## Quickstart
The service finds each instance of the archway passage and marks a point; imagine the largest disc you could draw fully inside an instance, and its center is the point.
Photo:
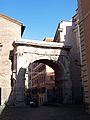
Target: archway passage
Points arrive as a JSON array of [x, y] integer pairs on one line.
[[25, 53], [45, 77], [58, 68]]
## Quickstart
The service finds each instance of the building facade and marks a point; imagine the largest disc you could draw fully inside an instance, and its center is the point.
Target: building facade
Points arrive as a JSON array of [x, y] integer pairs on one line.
[[76, 61], [10, 30], [68, 33], [20, 72], [84, 26]]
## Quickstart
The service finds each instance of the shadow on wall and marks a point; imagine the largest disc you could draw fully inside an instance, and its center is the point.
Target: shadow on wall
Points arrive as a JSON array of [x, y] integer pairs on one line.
[[17, 87], [6, 110]]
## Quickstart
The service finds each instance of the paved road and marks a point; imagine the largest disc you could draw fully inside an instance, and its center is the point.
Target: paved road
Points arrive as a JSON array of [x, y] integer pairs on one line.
[[43, 113]]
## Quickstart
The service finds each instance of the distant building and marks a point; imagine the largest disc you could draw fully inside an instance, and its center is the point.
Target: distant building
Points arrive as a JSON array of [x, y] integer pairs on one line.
[[62, 31], [43, 83], [48, 39]]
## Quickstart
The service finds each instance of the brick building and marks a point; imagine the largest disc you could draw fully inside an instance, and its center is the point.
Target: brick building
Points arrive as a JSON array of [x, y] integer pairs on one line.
[[43, 83]]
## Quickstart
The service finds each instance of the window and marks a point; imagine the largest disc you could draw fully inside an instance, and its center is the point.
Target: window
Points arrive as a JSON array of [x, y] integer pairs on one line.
[[43, 89]]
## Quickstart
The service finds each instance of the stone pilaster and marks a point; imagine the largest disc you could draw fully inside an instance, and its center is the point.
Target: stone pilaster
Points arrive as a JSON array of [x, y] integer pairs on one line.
[[20, 87]]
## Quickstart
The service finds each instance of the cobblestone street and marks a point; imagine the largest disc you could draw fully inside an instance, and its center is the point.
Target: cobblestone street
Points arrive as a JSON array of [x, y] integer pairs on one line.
[[43, 113]]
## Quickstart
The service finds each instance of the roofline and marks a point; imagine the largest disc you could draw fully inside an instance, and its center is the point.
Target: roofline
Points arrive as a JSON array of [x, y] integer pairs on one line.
[[10, 19], [14, 21], [38, 44], [53, 45]]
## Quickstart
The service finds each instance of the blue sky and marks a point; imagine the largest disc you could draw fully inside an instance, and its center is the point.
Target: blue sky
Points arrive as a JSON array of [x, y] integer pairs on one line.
[[41, 17]]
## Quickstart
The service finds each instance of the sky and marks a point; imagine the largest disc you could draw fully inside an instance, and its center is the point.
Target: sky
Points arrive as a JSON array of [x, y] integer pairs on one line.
[[41, 17]]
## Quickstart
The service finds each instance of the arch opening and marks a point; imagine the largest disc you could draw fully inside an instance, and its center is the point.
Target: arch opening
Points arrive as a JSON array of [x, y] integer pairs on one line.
[[44, 80]]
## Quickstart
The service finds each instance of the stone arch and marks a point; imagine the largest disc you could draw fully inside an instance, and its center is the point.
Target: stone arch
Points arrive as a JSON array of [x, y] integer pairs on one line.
[[25, 53], [57, 67], [59, 71]]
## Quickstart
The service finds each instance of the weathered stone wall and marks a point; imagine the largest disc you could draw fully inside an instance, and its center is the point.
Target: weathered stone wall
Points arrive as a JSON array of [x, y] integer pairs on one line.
[[26, 53]]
